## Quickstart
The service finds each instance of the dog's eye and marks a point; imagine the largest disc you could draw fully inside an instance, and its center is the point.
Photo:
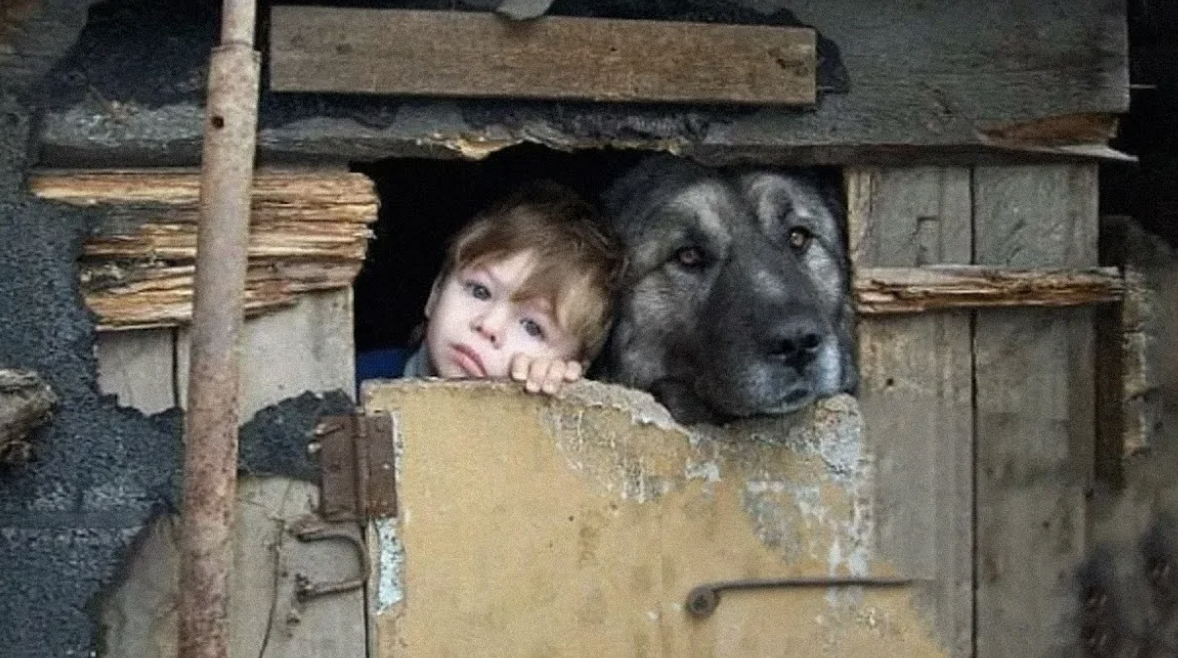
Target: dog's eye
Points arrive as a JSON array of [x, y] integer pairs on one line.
[[799, 238], [691, 257]]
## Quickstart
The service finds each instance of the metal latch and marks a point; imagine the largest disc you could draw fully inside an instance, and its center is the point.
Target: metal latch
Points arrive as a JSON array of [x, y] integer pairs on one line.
[[312, 528], [703, 599], [357, 467]]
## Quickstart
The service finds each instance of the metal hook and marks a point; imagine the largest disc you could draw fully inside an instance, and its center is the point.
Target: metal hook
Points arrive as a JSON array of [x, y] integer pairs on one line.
[[312, 528]]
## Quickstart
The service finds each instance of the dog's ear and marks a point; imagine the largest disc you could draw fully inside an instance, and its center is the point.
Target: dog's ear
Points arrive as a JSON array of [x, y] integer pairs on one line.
[[656, 171]]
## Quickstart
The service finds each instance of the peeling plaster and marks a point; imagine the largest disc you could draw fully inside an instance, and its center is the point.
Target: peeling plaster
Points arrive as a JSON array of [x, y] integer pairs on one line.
[[390, 588], [605, 485], [474, 147]]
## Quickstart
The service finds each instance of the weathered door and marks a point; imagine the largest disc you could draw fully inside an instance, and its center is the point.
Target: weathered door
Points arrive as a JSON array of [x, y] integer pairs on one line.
[[577, 527]]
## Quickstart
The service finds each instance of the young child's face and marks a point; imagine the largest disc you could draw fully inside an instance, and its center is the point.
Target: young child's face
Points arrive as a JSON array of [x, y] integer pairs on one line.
[[475, 328]]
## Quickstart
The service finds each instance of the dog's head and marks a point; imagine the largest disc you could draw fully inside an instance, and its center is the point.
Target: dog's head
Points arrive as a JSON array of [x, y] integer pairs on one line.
[[735, 301]]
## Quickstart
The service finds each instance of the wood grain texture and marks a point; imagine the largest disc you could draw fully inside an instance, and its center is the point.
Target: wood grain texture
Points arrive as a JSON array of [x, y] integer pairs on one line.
[[889, 290], [308, 232], [153, 297], [1034, 401], [474, 54], [915, 391], [267, 618]]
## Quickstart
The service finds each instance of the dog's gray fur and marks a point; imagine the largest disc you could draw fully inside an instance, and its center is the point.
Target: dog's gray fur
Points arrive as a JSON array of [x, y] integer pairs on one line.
[[760, 327]]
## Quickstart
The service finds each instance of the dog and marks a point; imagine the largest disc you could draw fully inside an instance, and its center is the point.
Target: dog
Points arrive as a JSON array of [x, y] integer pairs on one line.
[[1128, 598], [735, 298]]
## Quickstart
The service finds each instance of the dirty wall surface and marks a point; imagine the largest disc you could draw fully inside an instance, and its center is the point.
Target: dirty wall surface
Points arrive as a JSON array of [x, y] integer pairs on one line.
[[100, 472]]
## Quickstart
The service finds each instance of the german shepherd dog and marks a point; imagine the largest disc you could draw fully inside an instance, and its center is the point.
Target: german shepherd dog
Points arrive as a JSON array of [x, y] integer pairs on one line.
[[735, 300]]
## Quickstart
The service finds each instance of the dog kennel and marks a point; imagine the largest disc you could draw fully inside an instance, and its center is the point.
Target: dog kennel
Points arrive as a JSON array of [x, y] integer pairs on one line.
[[967, 139]]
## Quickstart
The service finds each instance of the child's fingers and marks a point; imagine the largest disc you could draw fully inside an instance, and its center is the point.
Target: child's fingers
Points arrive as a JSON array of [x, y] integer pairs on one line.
[[573, 371], [520, 365], [553, 377], [537, 371]]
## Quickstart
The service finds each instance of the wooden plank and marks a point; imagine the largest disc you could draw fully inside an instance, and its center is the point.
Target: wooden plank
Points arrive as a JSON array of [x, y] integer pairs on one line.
[[288, 194], [152, 214], [915, 391], [474, 54], [308, 233], [153, 296], [138, 367], [1034, 399], [888, 290], [266, 618], [307, 347]]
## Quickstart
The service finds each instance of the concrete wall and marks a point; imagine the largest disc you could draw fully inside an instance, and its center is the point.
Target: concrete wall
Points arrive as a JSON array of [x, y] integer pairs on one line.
[[100, 471]]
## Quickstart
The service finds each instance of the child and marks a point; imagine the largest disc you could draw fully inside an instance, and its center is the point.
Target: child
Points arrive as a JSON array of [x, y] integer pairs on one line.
[[526, 291]]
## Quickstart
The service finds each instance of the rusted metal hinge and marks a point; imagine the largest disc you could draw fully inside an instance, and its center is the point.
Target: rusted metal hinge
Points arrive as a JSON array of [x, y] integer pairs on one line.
[[357, 467]]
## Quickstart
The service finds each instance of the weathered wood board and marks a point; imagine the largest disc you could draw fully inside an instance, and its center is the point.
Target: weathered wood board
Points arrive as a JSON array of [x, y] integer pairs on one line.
[[267, 619], [1034, 402], [577, 526], [308, 233], [478, 54], [891, 290], [916, 389]]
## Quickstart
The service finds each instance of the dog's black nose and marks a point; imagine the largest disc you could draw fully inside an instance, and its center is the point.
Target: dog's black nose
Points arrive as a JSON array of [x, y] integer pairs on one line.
[[798, 341]]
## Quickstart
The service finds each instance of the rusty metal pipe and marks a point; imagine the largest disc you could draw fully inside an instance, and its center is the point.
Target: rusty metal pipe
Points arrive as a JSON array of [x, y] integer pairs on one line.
[[210, 437], [238, 20]]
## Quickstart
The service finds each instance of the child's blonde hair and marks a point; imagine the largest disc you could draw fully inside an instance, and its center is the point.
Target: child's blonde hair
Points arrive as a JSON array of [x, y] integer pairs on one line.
[[577, 262]]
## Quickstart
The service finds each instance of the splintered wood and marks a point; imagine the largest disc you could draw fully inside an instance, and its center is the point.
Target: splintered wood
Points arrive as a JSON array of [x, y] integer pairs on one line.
[[308, 232], [884, 290], [26, 401]]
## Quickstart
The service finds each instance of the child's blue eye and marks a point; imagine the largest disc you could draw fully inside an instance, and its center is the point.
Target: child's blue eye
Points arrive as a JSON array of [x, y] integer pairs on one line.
[[478, 290], [533, 328]]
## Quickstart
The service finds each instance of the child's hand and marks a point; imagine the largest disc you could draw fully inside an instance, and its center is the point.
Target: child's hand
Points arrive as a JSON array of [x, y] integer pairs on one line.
[[544, 373]]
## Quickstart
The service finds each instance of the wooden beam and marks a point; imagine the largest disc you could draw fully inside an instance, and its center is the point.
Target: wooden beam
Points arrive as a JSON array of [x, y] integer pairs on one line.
[[915, 389], [308, 233], [446, 53], [1035, 419], [887, 290]]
